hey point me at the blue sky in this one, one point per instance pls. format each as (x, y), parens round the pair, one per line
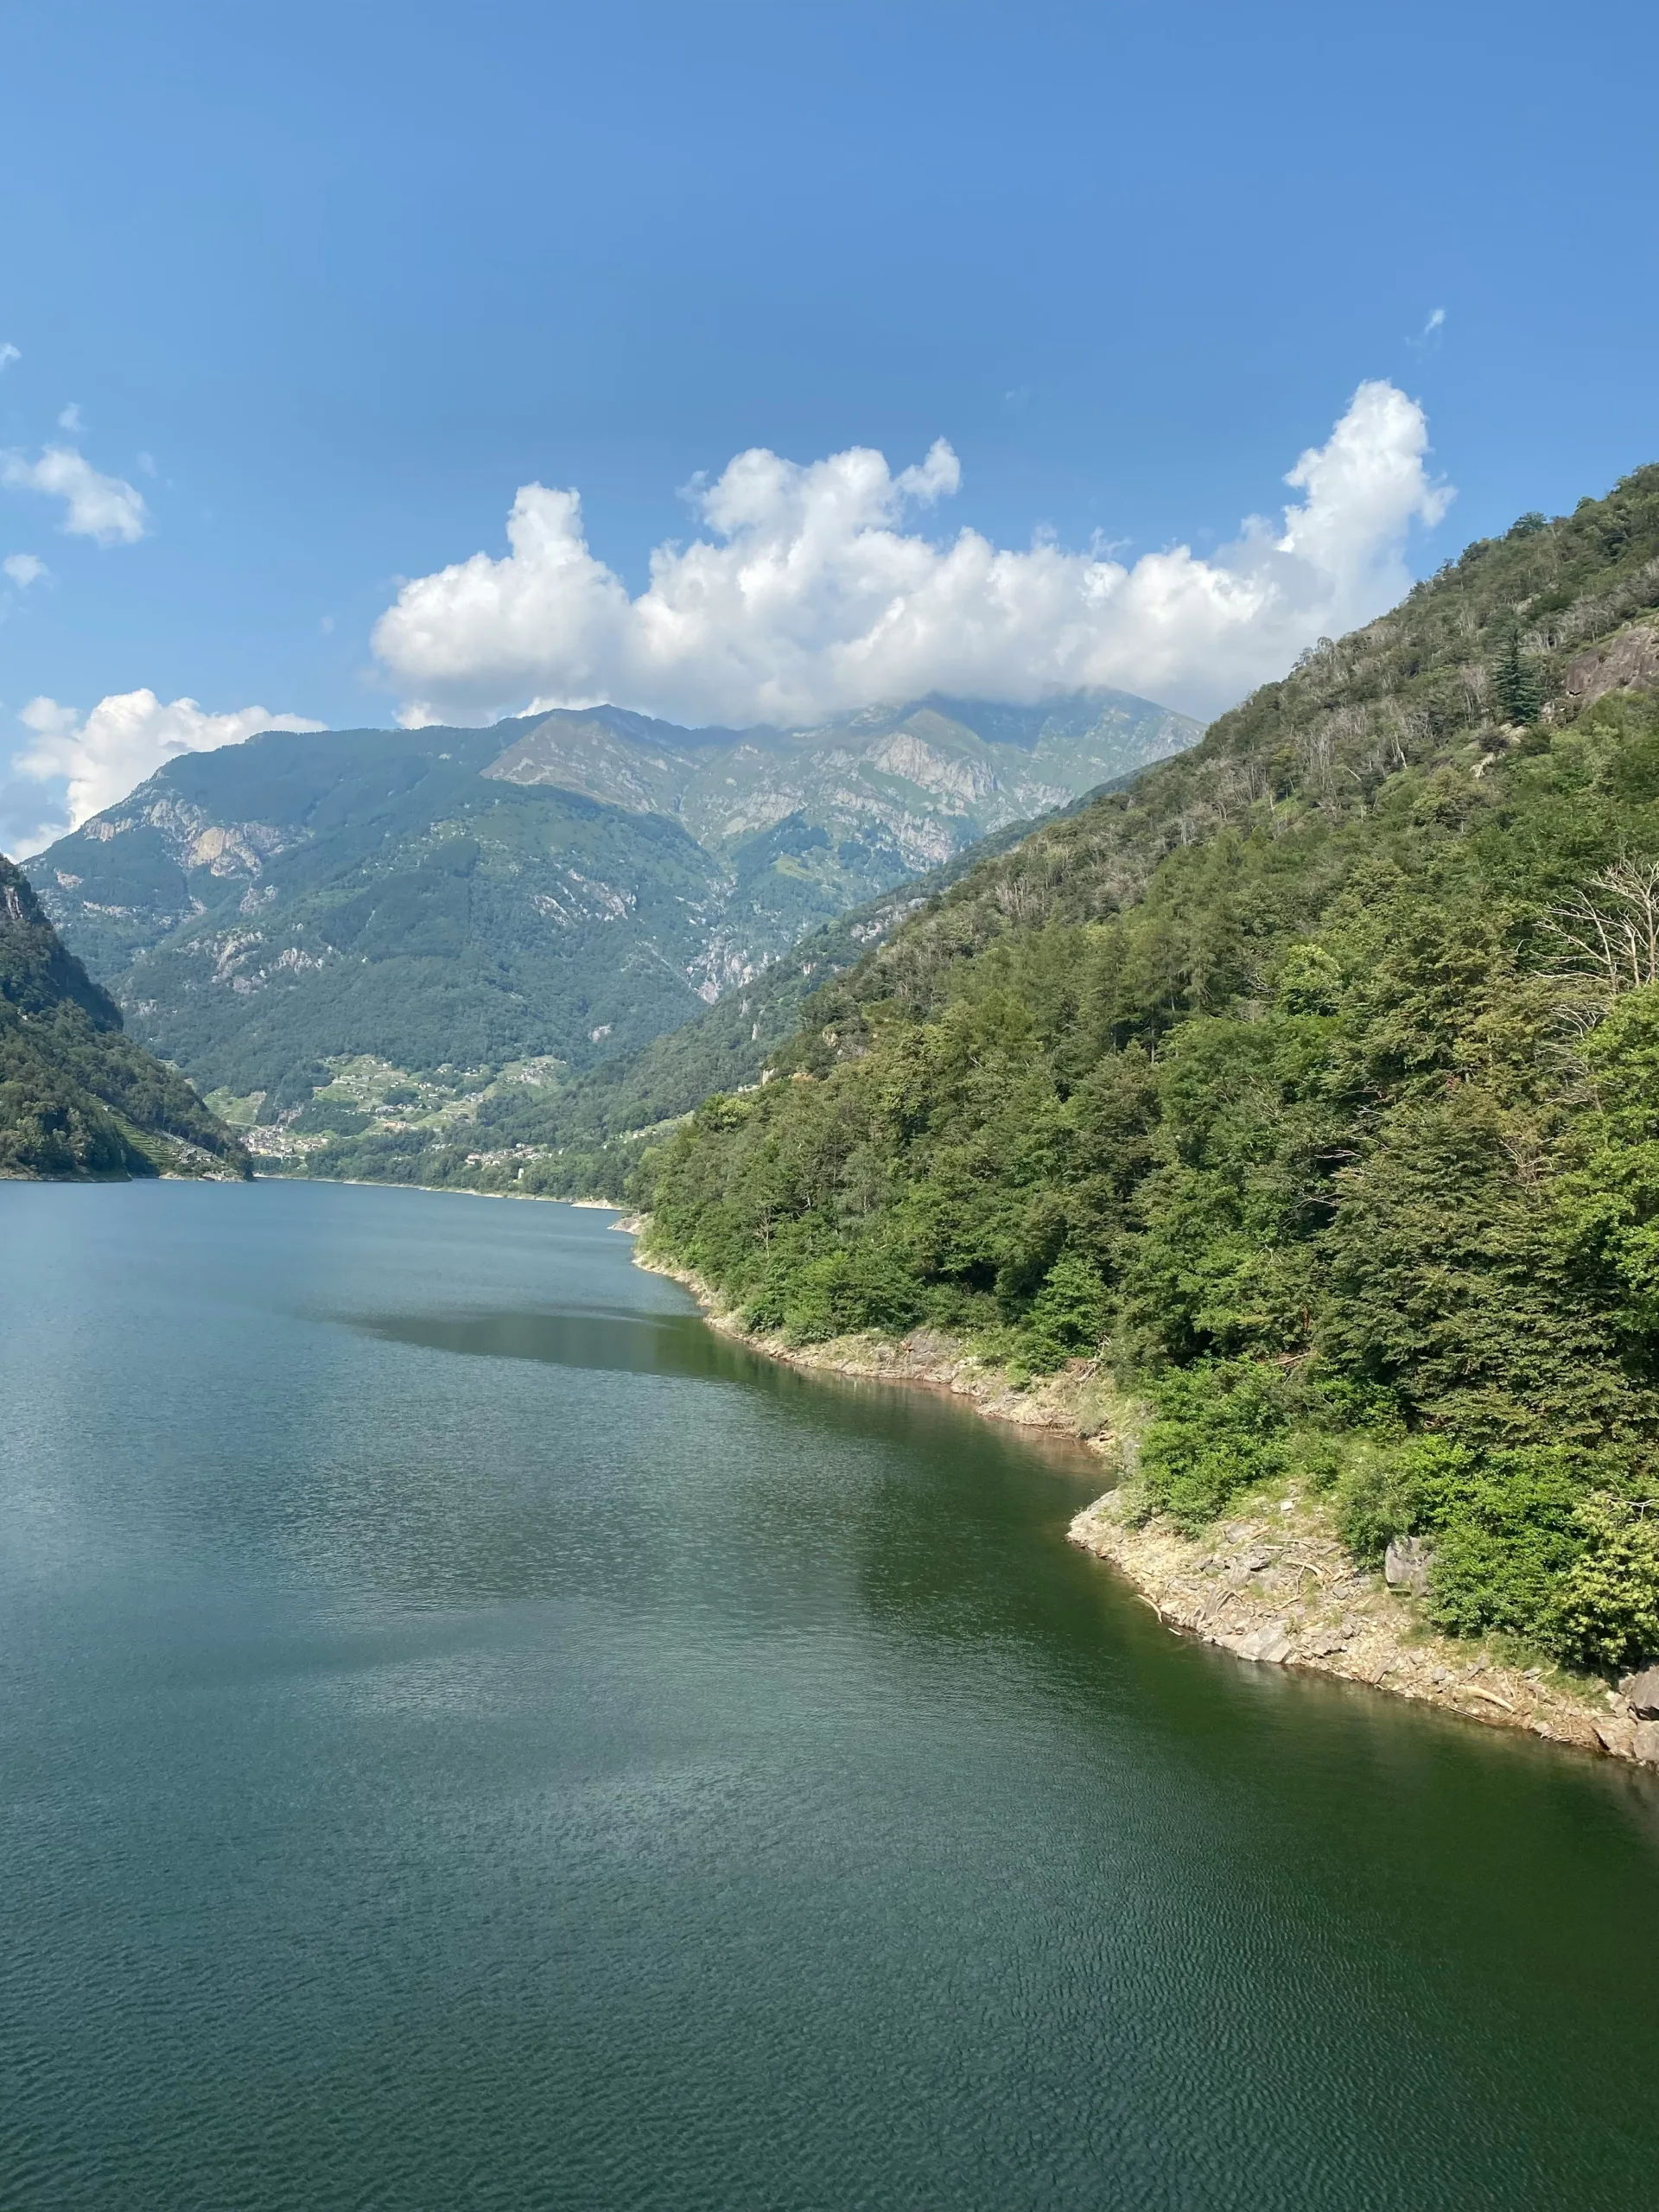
(328, 286)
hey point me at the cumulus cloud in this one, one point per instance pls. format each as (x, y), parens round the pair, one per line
(808, 595)
(22, 569)
(106, 508)
(9, 354)
(70, 419)
(126, 737)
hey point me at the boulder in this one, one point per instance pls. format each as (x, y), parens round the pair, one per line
(1322, 1642)
(1407, 1562)
(1641, 1692)
(1646, 1746)
(1246, 1565)
(1616, 1736)
(1269, 1643)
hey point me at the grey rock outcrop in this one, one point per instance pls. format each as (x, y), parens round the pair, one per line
(1270, 1643)
(1407, 1562)
(1641, 1692)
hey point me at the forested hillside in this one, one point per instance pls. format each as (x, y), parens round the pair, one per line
(77, 1098)
(551, 1133)
(1312, 1084)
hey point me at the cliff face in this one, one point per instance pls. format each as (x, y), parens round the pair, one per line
(78, 1098)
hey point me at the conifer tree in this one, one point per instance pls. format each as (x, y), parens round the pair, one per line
(1516, 685)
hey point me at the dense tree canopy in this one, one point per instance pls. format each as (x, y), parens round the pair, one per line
(1313, 1081)
(77, 1098)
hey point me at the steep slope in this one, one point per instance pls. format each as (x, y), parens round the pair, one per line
(448, 902)
(262, 909)
(1313, 1080)
(545, 1131)
(77, 1098)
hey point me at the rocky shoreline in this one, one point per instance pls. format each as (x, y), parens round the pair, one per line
(1072, 1403)
(1273, 1584)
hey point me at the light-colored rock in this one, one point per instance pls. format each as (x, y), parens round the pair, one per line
(1641, 1692)
(1246, 1565)
(1618, 1737)
(1646, 1745)
(1267, 1643)
(1321, 1643)
(1407, 1562)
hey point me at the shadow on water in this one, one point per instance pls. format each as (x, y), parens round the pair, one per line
(950, 1525)
(608, 1343)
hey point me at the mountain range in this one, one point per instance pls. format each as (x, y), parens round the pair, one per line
(457, 907)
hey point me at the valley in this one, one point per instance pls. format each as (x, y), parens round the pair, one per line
(457, 906)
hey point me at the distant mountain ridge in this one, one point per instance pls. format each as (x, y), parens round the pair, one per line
(974, 762)
(561, 887)
(79, 1100)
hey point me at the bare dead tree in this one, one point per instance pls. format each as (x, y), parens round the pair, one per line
(1607, 940)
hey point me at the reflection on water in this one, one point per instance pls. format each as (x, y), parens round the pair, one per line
(470, 1734)
(620, 1343)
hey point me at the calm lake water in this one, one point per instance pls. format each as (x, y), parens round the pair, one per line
(470, 1737)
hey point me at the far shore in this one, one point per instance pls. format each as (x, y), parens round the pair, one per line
(440, 1190)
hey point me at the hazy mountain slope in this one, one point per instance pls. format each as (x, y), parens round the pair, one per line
(1313, 1080)
(542, 1130)
(448, 902)
(77, 1098)
(919, 780)
(729, 1043)
(264, 908)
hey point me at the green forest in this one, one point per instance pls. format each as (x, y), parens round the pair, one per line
(78, 1099)
(579, 1136)
(1310, 1087)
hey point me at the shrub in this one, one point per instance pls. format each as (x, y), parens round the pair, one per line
(1071, 1312)
(1220, 1429)
(1501, 1545)
(1608, 1612)
(1387, 1490)
(843, 1291)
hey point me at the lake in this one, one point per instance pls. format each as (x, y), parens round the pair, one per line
(472, 1737)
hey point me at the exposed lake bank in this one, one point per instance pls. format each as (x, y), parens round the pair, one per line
(1272, 1584)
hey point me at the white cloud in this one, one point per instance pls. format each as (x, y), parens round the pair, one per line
(1429, 337)
(70, 418)
(22, 569)
(106, 508)
(125, 738)
(9, 354)
(807, 596)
